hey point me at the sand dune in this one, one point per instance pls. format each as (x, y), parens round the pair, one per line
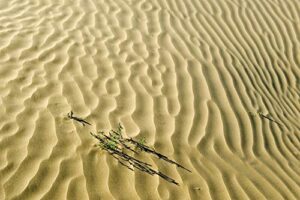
(213, 84)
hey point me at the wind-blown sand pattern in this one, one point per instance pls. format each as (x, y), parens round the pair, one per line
(197, 78)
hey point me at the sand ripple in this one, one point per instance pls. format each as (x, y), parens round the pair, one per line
(198, 78)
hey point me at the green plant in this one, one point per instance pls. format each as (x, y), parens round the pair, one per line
(111, 144)
(119, 148)
(142, 140)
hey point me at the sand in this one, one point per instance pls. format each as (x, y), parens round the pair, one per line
(212, 84)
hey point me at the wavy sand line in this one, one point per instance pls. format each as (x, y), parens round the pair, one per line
(190, 76)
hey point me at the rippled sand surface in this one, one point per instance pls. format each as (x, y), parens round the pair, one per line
(212, 84)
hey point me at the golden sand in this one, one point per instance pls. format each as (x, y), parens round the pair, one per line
(212, 84)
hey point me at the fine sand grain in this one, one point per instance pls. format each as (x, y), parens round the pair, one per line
(212, 84)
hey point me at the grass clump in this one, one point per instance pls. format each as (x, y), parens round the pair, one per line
(142, 141)
(122, 149)
(119, 147)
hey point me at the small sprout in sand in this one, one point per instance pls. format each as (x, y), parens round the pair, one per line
(118, 147)
(142, 141)
(80, 120)
(260, 114)
(111, 144)
(268, 118)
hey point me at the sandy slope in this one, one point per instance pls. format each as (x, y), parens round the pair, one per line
(189, 75)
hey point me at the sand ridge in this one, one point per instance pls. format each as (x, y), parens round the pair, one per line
(194, 77)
